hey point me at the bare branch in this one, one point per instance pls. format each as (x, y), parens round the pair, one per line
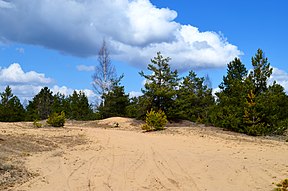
(105, 72)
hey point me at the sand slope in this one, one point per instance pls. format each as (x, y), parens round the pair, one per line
(177, 159)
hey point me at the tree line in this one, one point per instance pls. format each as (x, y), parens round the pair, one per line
(245, 102)
(45, 103)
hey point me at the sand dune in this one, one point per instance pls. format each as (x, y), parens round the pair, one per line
(191, 158)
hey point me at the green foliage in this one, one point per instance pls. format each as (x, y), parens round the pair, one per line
(155, 121)
(228, 112)
(56, 119)
(76, 106)
(37, 124)
(160, 87)
(246, 104)
(11, 109)
(60, 103)
(252, 118)
(79, 107)
(41, 105)
(261, 72)
(282, 186)
(194, 99)
(115, 102)
(133, 110)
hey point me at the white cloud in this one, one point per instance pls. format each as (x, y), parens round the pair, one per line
(215, 90)
(23, 91)
(5, 4)
(92, 97)
(134, 29)
(135, 94)
(15, 75)
(280, 76)
(26, 85)
(85, 68)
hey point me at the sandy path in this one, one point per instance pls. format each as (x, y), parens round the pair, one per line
(129, 160)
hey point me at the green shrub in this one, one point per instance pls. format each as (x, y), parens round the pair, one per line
(281, 128)
(155, 121)
(256, 129)
(56, 120)
(282, 186)
(37, 124)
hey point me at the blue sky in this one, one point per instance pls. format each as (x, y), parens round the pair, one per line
(55, 43)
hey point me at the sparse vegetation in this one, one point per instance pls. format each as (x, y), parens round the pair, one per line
(17, 146)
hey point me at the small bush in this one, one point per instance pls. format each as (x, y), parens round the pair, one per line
(56, 120)
(282, 186)
(37, 124)
(155, 121)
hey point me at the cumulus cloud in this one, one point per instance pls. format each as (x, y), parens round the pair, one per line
(135, 94)
(26, 85)
(23, 91)
(85, 68)
(280, 76)
(134, 29)
(15, 75)
(92, 97)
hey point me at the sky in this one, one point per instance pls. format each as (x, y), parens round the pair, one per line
(55, 43)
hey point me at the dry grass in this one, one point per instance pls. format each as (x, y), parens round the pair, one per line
(15, 147)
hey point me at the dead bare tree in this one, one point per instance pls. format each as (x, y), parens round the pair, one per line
(105, 72)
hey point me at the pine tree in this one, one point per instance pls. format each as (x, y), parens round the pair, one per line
(161, 86)
(79, 106)
(272, 107)
(252, 117)
(194, 99)
(261, 72)
(228, 112)
(114, 102)
(10, 107)
(41, 105)
(60, 103)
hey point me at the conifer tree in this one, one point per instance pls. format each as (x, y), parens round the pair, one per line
(60, 103)
(161, 86)
(41, 105)
(114, 102)
(11, 109)
(79, 108)
(252, 117)
(194, 99)
(261, 72)
(228, 112)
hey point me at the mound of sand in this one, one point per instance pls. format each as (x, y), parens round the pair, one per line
(121, 122)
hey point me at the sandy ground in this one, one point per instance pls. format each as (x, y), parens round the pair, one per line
(84, 157)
